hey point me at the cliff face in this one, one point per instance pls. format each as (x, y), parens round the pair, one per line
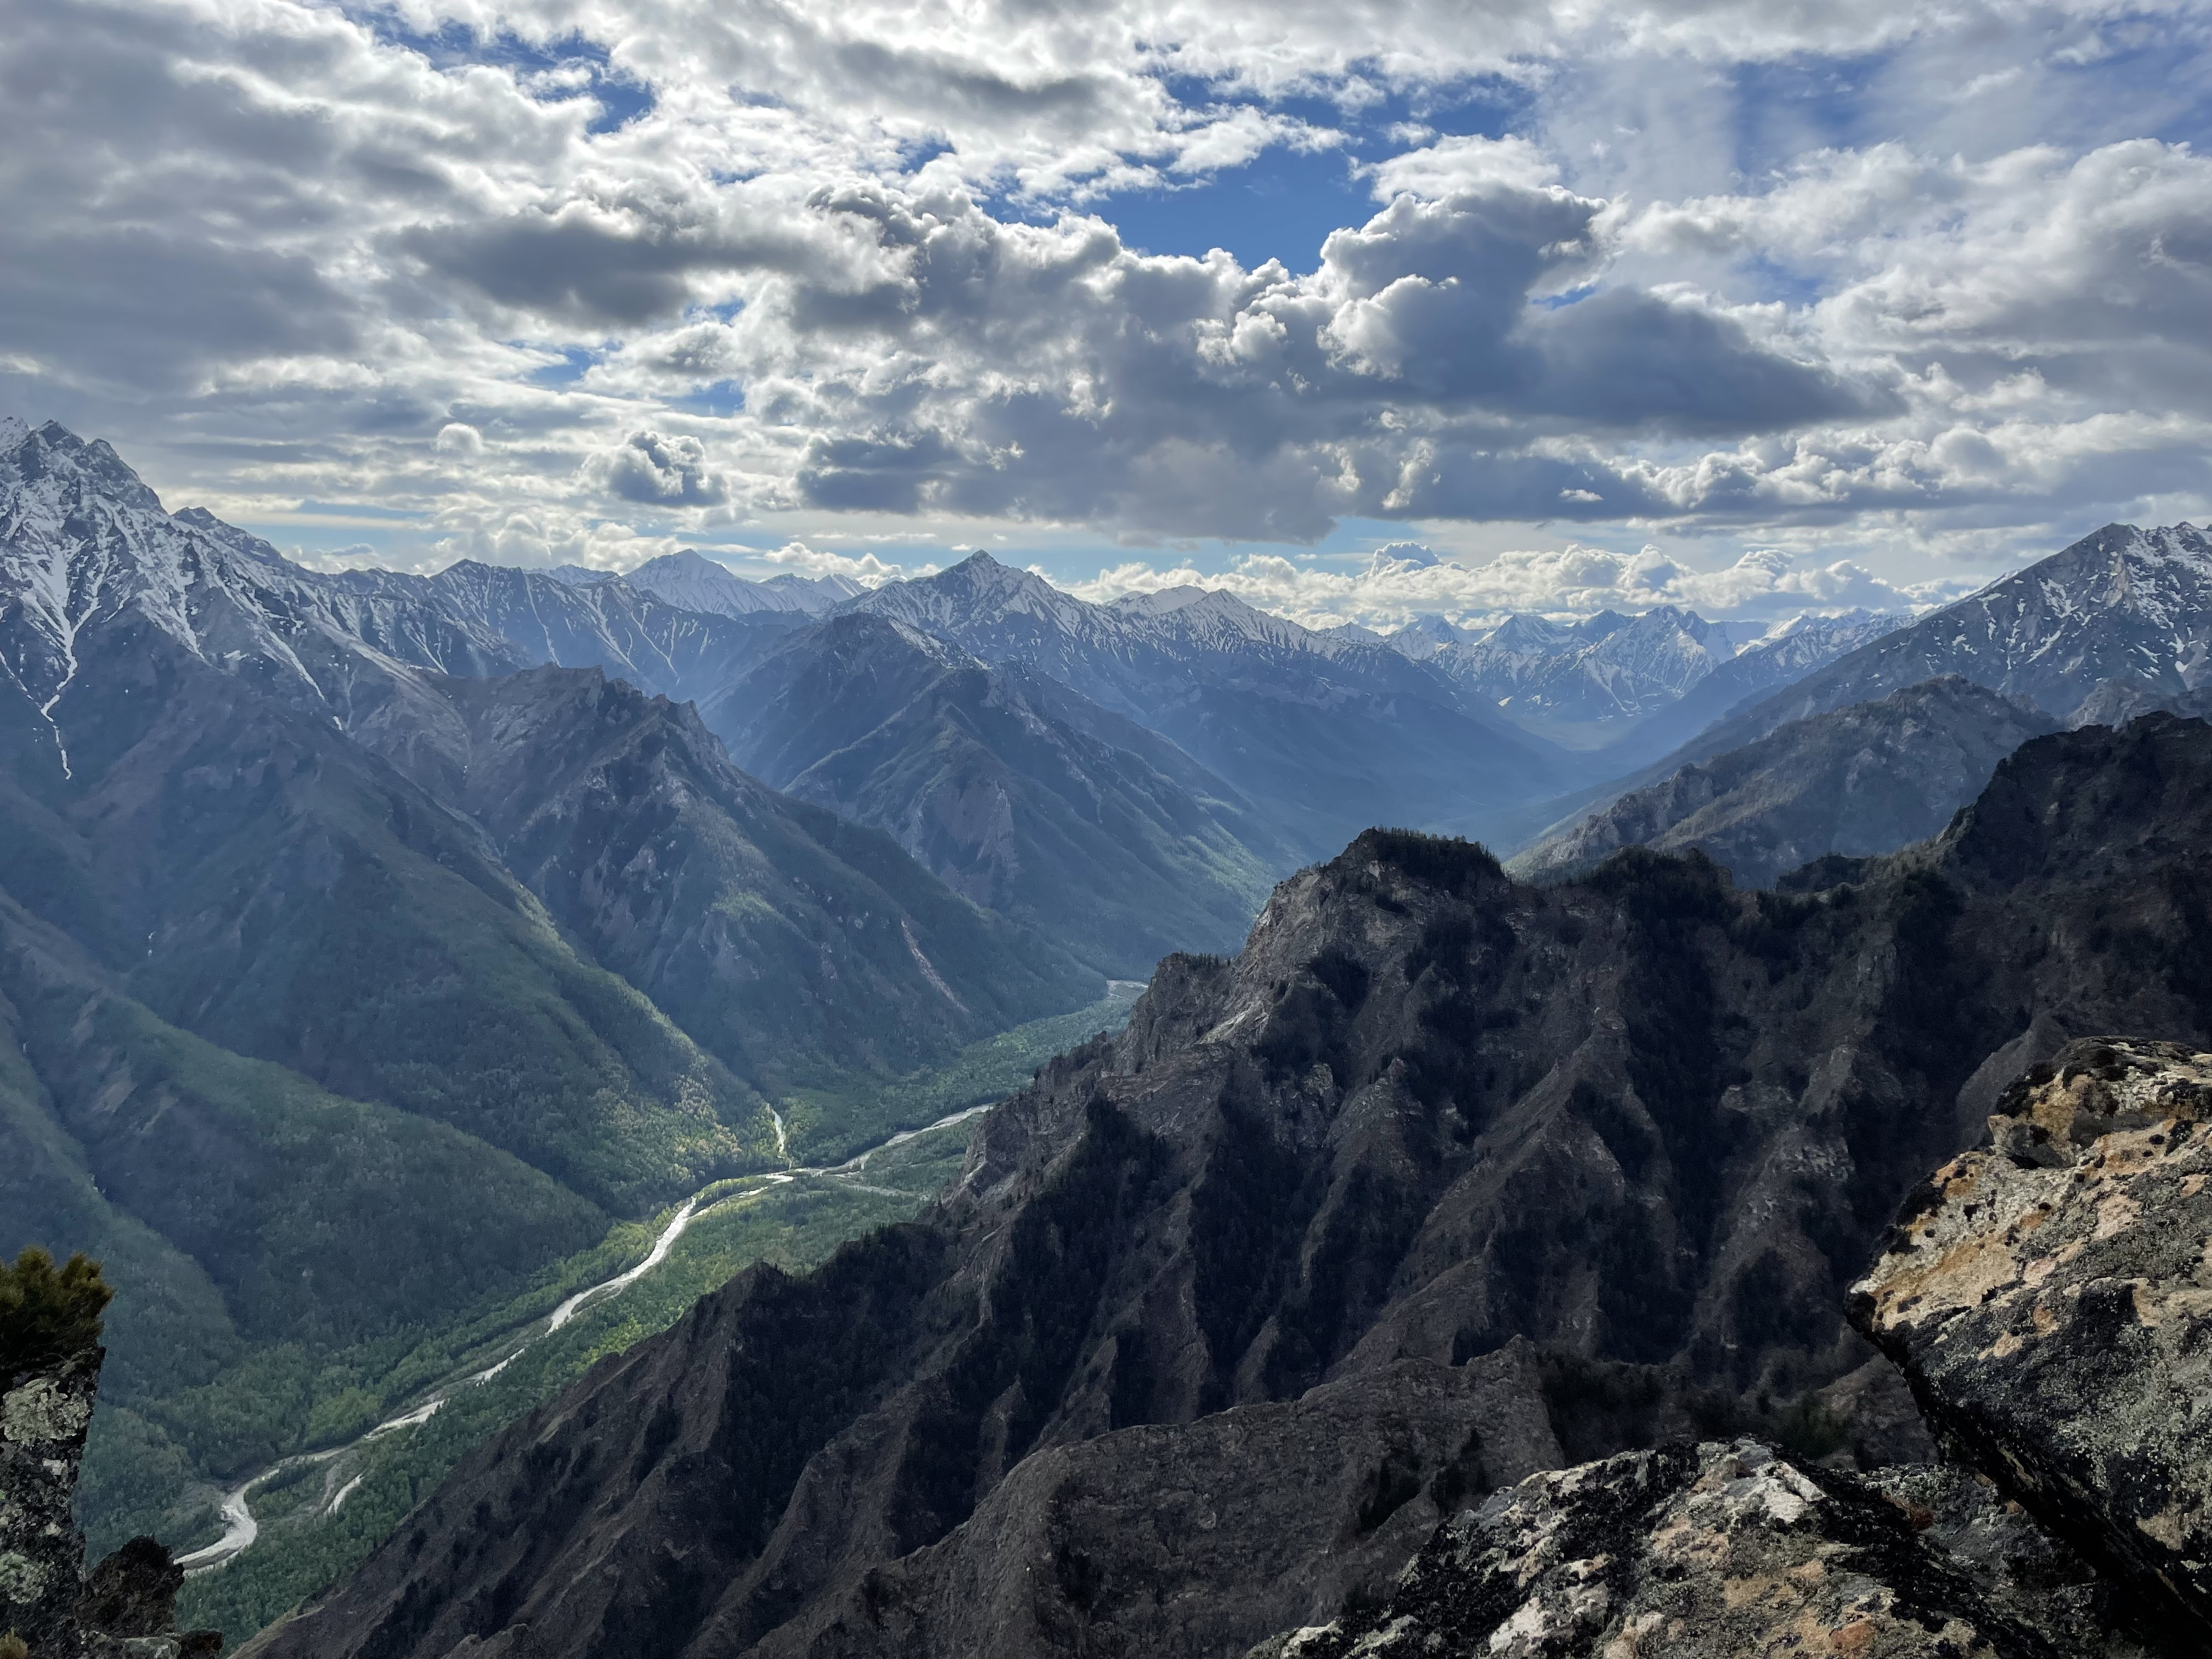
(43, 1419)
(2050, 1298)
(1644, 1120)
(49, 1360)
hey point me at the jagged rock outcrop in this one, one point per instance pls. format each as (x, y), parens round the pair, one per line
(2050, 1298)
(1693, 1554)
(1645, 1120)
(50, 1361)
(44, 1415)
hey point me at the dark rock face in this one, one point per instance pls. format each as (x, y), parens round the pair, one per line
(1731, 1549)
(43, 1420)
(133, 1592)
(1645, 1120)
(1184, 1540)
(2050, 1298)
(1859, 780)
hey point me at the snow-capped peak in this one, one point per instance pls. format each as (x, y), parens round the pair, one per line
(1157, 602)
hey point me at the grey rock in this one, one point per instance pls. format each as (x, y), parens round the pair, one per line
(2050, 1298)
(43, 1420)
(1728, 1549)
(133, 1591)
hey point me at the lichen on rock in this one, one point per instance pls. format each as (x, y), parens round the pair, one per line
(1728, 1549)
(49, 1360)
(2049, 1297)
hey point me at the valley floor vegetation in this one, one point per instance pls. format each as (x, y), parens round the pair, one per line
(162, 1464)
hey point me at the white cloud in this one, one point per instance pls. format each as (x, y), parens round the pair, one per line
(283, 256)
(657, 471)
(801, 560)
(1392, 589)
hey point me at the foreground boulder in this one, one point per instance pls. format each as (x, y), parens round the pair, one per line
(1690, 1553)
(2049, 1300)
(49, 1360)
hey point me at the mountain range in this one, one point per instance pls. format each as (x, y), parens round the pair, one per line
(1016, 791)
(325, 969)
(2114, 626)
(1857, 781)
(690, 581)
(1443, 1176)
(1605, 681)
(357, 924)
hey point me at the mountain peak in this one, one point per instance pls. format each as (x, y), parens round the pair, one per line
(1157, 602)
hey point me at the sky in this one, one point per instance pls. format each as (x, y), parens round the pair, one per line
(1361, 309)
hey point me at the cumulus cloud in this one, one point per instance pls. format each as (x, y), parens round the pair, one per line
(1396, 585)
(842, 261)
(658, 470)
(866, 569)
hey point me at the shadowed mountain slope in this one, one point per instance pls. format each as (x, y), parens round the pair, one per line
(1322, 735)
(1643, 1118)
(1863, 780)
(783, 938)
(981, 774)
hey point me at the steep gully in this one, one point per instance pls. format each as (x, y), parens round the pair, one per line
(240, 1528)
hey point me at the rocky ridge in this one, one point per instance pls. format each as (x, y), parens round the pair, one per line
(1688, 1552)
(1649, 1123)
(2047, 1297)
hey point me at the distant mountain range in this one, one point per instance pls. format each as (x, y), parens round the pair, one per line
(1322, 735)
(2124, 612)
(1601, 680)
(1852, 782)
(690, 581)
(2117, 625)
(1015, 791)
(339, 943)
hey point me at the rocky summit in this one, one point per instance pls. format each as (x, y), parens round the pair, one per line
(2050, 1298)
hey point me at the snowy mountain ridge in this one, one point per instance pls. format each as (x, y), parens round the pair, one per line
(691, 581)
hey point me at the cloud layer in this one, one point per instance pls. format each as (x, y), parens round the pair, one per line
(578, 279)
(1405, 581)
